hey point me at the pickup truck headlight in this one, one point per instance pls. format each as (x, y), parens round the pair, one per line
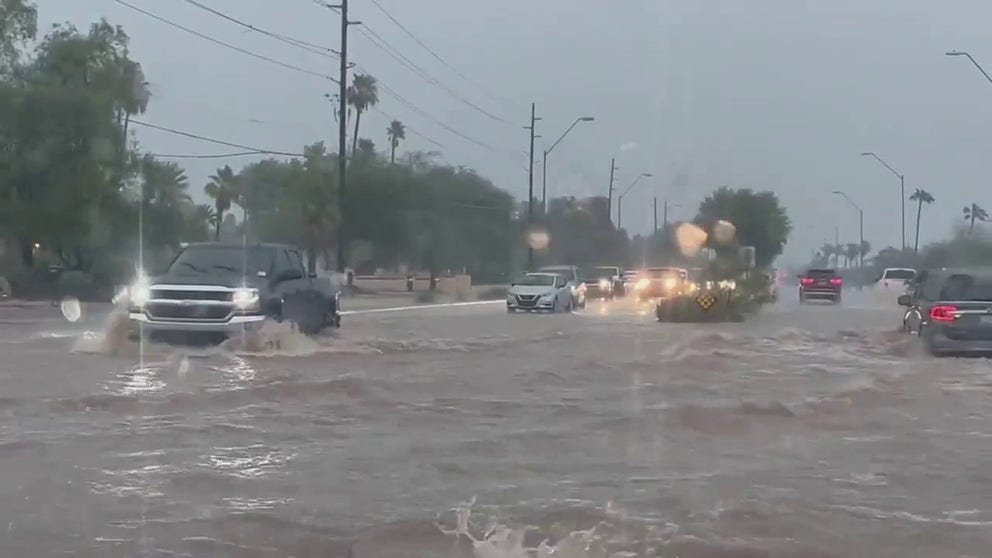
(604, 284)
(137, 294)
(245, 299)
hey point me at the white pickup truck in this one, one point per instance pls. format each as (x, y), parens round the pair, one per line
(893, 283)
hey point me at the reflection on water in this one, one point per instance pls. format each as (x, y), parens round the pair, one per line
(603, 434)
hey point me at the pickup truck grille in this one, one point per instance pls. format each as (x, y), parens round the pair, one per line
(197, 303)
(175, 294)
(166, 311)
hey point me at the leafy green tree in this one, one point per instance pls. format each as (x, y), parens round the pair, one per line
(62, 142)
(921, 197)
(18, 25)
(396, 133)
(759, 218)
(363, 94)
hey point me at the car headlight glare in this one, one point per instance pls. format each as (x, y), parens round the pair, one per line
(244, 299)
(604, 283)
(138, 294)
(642, 284)
(670, 283)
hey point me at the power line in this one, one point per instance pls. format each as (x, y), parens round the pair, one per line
(403, 101)
(222, 43)
(210, 156)
(310, 47)
(434, 54)
(382, 44)
(256, 150)
(430, 117)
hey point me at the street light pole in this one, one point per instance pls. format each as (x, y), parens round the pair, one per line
(861, 238)
(544, 169)
(902, 192)
(973, 61)
(625, 192)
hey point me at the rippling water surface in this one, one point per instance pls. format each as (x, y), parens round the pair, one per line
(811, 431)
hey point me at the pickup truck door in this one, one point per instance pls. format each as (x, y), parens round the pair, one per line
(305, 282)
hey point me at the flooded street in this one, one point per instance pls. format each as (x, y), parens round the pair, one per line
(807, 432)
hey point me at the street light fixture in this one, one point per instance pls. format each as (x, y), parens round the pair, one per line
(861, 238)
(973, 61)
(902, 193)
(544, 169)
(625, 192)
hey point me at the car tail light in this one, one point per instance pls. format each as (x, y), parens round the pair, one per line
(943, 313)
(836, 281)
(807, 280)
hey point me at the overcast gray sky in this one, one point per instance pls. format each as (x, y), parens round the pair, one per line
(768, 94)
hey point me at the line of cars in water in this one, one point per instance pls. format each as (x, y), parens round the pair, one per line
(948, 309)
(216, 288)
(562, 288)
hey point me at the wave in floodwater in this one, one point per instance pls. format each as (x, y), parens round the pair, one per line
(276, 339)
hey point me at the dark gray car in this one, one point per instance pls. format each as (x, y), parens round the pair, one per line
(951, 311)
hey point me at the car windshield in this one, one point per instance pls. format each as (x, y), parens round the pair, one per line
(967, 288)
(899, 274)
(536, 280)
(223, 259)
(664, 272)
(564, 271)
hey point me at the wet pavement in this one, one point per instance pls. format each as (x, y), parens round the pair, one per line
(807, 431)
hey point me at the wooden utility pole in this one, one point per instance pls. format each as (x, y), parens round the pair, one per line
(342, 129)
(656, 215)
(609, 196)
(530, 188)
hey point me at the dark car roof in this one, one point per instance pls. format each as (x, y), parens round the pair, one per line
(948, 271)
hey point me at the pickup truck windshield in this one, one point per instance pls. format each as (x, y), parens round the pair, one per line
(223, 259)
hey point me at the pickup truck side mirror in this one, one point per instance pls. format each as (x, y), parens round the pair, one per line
(904, 300)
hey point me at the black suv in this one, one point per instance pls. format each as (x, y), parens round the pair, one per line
(820, 284)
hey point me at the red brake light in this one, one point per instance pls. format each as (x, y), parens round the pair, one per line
(944, 313)
(807, 280)
(835, 281)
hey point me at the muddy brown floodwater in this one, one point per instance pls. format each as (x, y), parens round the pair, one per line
(807, 432)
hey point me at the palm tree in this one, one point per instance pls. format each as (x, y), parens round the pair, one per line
(974, 213)
(132, 94)
(223, 188)
(851, 253)
(396, 132)
(826, 252)
(921, 197)
(363, 93)
(165, 183)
